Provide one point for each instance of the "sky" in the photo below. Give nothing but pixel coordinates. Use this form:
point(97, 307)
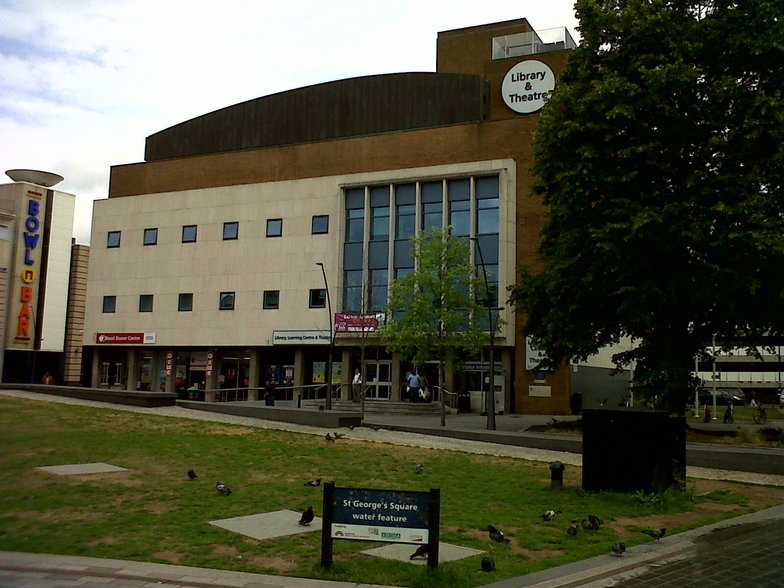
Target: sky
point(83, 82)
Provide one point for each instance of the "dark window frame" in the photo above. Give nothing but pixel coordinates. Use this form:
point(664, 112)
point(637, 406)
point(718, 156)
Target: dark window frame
point(183, 296)
point(228, 225)
point(319, 230)
point(151, 231)
point(145, 298)
point(271, 224)
point(226, 295)
point(109, 304)
point(267, 303)
point(313, 302)
point(109, 235)
point(195, 233)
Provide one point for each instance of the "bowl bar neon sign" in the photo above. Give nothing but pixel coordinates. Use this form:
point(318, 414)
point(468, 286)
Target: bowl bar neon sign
point(30, 237)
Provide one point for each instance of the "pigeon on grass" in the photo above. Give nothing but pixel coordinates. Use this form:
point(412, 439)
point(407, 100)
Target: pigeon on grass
point(223, 489)
point(497, 535)
point(192, 475)
point(588, 525)
point(420, 552)
point(316, 482)
point(307, 517)
point(488, 564)
point(572, 529)
point(595, 521)
point(329, 438)
point(618, 548)
point(549, 515)
point(420, 468)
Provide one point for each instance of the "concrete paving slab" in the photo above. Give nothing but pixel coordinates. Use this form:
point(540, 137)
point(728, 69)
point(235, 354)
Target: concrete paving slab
point(268, 525)
point(402, 552)
point(82, 468)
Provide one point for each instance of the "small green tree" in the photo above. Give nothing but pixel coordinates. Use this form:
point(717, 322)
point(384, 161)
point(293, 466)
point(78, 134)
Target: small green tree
point(433, 311)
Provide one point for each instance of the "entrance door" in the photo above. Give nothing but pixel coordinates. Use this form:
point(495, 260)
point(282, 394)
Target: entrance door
point(378, 380)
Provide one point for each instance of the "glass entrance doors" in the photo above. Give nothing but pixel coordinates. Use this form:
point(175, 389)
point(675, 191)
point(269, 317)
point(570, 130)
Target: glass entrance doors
point(378, 380)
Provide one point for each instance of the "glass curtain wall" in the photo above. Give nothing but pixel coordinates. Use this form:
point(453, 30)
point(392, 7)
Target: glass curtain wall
point(396, 213)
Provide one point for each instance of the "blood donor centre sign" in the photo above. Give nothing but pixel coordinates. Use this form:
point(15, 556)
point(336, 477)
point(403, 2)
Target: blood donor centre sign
point(124, 338)
point(527, 86)
point(381, 515)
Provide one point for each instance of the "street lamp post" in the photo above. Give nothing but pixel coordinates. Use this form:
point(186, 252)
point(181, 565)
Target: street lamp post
point(328, 405)
point(490, 307)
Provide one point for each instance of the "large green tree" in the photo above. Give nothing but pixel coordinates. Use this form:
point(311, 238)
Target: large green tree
point(660, 160)
point(433, 313)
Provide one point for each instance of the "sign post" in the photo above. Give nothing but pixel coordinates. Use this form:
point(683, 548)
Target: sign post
point(391, 516)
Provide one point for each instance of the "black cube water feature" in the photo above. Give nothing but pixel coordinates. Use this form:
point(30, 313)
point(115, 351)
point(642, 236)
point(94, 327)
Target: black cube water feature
point(556, 474)
point(632, 449)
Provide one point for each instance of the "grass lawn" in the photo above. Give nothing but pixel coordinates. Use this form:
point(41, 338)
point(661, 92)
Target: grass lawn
point(154, 513)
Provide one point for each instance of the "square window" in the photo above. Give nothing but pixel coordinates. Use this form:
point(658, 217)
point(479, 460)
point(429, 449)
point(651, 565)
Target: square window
point(185, 303)
point(113, 239)
point(189, 234)
point(320, 224)
point(109, 303)
point(150, 236)
point(145, 303)
point(226, 301)
point(318, 298)
point(274, 227)
point(271, 299)
point(231, 230)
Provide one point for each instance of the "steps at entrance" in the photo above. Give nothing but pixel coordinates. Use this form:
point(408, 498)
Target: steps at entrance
point(389, 407)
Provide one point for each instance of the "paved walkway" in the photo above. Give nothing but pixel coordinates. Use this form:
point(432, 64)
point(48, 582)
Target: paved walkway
point(742, 552)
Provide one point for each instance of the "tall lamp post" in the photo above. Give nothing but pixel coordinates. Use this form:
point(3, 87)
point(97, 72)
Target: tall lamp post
point(491, 317)
point(328, 405)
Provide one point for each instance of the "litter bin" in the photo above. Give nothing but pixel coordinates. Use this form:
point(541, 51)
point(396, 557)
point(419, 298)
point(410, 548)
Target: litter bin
point(464, 402)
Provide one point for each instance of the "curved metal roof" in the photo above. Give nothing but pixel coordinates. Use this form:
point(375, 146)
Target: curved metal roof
point(333, 110)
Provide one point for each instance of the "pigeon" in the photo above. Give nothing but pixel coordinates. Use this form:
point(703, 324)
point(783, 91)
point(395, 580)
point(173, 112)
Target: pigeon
point(329, 438)
point(337, 435)
point(497, 535)
point(421, 551)
point(588, 525)
point(595, 521)
point(572, 529)
point(549, 515)
point(488, 564)
point(222, 488)
point(307, 517)
point(316, 482)
point(420, 468)
point(192, 475)
point(619, 547)
point(656, 533)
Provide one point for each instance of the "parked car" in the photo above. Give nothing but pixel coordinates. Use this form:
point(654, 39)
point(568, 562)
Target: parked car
point(723, 397)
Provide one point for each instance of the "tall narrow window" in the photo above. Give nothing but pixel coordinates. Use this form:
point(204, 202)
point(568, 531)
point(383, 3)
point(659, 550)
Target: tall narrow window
point(432, 205)
point(353, 250)
point(150, 236)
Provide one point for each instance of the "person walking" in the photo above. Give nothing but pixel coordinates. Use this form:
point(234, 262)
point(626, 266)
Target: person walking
point(414, 384)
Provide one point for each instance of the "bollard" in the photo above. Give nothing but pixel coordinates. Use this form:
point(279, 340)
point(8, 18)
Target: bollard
point(556, 474)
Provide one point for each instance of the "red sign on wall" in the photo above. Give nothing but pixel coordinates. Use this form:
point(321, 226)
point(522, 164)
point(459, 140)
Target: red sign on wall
point(119, 338)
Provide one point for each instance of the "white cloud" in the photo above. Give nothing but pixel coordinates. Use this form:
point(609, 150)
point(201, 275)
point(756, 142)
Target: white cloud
point(83, 83)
